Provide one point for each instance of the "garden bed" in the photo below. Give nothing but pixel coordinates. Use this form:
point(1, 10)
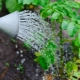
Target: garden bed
point(11, 55)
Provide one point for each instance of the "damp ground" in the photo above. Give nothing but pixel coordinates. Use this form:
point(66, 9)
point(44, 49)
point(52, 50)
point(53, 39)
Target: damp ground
point(16, 62)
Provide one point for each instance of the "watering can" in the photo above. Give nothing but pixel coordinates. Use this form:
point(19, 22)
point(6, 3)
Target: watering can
point(28, 27)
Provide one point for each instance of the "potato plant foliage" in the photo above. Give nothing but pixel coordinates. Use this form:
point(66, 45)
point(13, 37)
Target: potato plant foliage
point(66, 14)
point(13, 5)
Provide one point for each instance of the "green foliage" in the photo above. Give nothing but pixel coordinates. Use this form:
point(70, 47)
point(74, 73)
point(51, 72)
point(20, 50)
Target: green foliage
point(12, 5)
point(26, 46)
point(34, 2)
point(20, 67)
point(65, 24)
point(79, 36)
point(70, 67)
point(55, 15)
point(65, 13)
point(71, 29)
point(74, 78)
point(42, 62)
point(13, 40)
point(77, 74)
point(0, 5)
point(45, 57)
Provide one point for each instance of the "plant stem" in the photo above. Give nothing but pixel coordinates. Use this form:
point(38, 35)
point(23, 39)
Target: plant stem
point(61, 53)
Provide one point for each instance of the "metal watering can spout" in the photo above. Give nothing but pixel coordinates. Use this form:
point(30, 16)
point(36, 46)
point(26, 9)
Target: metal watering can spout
point(9, 23)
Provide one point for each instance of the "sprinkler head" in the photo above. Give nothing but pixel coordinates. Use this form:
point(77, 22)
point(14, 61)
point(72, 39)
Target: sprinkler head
point(10, 23)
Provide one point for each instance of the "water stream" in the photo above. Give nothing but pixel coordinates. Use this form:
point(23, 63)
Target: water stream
point(38, 35)
point(33, 30)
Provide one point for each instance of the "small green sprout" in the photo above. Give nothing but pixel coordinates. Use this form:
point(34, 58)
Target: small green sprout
point(7, 64)
point(13, 40)
point(20, 68)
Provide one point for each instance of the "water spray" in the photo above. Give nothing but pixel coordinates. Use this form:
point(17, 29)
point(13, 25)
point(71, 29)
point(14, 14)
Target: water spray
point(30, 28)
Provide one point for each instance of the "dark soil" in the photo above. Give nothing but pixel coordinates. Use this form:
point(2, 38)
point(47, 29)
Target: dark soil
point(11, 55)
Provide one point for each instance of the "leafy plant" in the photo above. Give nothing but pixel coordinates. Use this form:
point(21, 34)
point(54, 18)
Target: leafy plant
point(20, 67)
point(65, 13)
point(34, 2)
point(45, 57)
point(13, 5)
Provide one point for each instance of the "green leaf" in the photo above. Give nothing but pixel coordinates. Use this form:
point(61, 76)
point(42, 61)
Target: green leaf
point(45, 57)
point(49, 12)
point(51, 4)
point(7, 64)
point(26, 45)
point(74, 78)
point(13, 40)
point(44, 2)
point(65, 24)
point(35, 2)
point(42, 63)
point(64, 12)
point(72, 29)
point(36, 59)
point(37, 54)
point(0, 5)
point(79, 21)
point(75, 67)
point(69, 67)
point(73, 16)
point(78, 61)
point(44, 13)
point(20, 1)
point(55, 15)
point(59, 0)
point(48, 52)
point(76, 41)
point(74, 4)
point(67, 7)
point(27, 1)
point(12, 5)
point(77, 74)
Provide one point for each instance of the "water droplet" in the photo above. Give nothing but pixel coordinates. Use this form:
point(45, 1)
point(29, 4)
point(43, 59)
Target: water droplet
point(17, 52)
point(36, 75)
point(21, 55)
point(16, 46)
point(21, 51)
point(18, 69)
point(22, 61)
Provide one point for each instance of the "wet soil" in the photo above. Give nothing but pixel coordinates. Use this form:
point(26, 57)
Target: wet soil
point(16, 62)
point(10, 61)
